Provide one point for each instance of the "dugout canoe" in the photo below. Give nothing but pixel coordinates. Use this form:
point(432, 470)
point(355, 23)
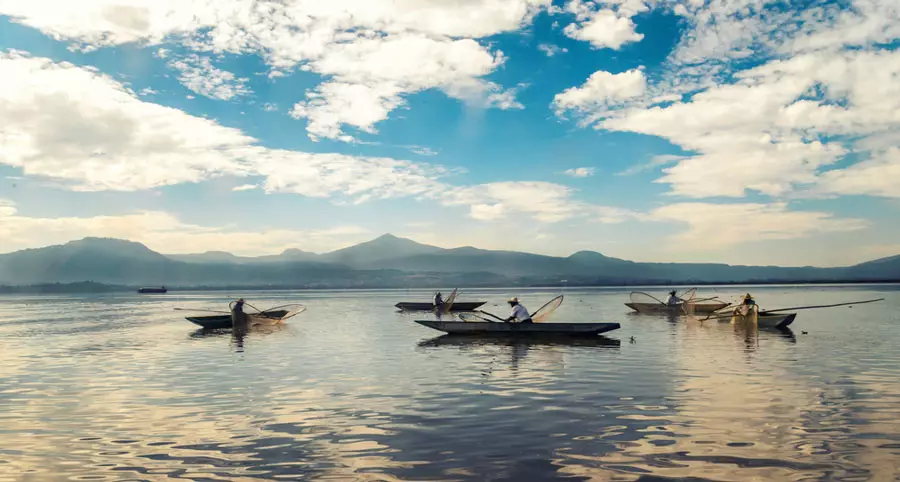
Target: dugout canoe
point(514, 329)
point(456, 306)
point(216, 322)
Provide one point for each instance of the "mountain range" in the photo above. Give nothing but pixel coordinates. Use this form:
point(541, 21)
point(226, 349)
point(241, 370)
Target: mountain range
point(387, 261)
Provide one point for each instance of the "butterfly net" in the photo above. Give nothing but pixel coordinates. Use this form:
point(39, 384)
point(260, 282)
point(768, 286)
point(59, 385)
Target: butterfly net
point(645, 298)
point(545, 311)
point(283, 312)
point(474, 317)
point(448, 303)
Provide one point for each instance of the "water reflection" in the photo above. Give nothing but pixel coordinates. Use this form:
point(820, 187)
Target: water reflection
point(124, 390)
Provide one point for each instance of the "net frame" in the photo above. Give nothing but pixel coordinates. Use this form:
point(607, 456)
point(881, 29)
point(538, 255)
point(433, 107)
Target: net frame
point(547, 309)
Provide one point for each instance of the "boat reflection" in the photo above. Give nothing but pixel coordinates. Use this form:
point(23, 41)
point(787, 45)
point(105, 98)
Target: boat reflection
point(238, 336)
point(470, 340)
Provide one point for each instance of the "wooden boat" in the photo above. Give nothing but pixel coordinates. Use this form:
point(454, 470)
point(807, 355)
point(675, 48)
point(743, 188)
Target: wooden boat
point(661, 308)
point(456, 306)
point(763, 319)
point(216, 322)
point(161, 289)
point(491, 339)
point(514, 329)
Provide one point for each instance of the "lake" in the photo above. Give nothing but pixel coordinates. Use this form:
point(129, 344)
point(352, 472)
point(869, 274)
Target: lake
point(121, 387)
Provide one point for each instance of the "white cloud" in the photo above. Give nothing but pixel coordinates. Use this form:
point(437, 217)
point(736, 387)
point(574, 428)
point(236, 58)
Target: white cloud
point(550, 50)
point(148, 91)
point(337, 175)
point(245, 187)
point(372, 53)
point(543, 201)
point(713, 226)
point(199, 75)
point(270, 107)
point(604, 29)
point(657, 161)
point(580, 172)
point(70, 123)
point(422, 150)
point(878, 176)
point(601, 91)
point(161, 231)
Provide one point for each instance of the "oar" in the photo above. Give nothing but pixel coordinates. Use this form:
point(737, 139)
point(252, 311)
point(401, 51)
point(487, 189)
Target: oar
point(196, 309)
point(492, 315)
point(824, 306)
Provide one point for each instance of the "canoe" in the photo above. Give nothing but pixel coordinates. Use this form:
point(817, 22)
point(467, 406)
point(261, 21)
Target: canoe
point(161, 289)
point(659, 308)
point(457, 306)
point(512, 329)
point(519, 341)
point(763, 319)
point(216, 322)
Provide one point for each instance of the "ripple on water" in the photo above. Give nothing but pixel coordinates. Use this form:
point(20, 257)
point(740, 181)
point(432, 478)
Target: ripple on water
point(118, 388)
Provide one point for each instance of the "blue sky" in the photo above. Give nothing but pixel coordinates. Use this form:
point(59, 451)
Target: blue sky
point(731, 131)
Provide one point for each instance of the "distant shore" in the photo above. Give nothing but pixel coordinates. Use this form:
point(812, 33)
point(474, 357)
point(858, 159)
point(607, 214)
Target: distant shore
point(86, 287)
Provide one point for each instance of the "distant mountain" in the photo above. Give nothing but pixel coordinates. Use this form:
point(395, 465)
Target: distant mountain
point(379, 249)
point(211, 257)
point(387, 261)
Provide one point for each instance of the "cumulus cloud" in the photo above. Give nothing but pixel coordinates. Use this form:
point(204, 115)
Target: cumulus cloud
point(199, 75)
point(601, 91)
point(161, 231)
point(245, 187)
point(604, 29)
point(580, 172)
point(712, 226)
point(73, 124)
point(372, 53)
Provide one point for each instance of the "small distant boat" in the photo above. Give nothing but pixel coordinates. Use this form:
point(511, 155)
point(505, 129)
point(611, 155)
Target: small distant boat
point(519, 329)
point(456, 306)
point(661, 308)
point(161, 289)
point(216, 322)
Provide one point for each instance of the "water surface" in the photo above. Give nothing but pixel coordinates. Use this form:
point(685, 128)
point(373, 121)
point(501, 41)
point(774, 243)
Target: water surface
point(121, 387)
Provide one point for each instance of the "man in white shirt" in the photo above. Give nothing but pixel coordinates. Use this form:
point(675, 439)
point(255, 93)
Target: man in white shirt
point(673, 300)
point(518, 312)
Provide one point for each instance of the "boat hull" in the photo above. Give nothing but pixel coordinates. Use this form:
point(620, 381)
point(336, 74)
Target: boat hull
point(152, 290)
point(218, 322)
point(519, 329)
point(656, 308)
point(763, 320)
point(456, 306)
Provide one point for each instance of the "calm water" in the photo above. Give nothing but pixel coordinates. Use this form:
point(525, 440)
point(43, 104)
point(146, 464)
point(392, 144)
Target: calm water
point(121, 387)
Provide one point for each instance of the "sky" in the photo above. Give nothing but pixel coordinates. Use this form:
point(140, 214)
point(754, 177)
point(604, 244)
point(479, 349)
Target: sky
point(736, 131)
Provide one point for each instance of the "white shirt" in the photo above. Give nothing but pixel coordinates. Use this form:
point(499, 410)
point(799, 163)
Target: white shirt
point(672, 300)
point(519, 312)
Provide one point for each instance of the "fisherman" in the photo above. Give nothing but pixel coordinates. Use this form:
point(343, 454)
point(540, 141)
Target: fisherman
point(746, 307)
point(438, 301)
point(673, 299)
point(239, 319)
point(517, 312)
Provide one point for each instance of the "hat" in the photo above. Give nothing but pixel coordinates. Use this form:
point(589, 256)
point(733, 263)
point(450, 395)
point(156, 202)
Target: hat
point(513, 300)
point(747, 296)
point(672, 292)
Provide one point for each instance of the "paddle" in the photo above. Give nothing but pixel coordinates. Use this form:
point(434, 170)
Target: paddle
point(196, 309)
point(824, 306)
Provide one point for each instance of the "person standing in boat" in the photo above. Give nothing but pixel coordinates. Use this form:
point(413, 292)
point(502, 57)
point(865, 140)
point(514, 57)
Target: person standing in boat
point(438, 302)
point(239, 319)
point(746, 307)
point(673, 299)
point(517, 312)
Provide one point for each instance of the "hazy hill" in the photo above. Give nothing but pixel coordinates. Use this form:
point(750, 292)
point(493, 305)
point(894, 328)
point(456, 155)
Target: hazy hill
point(387, 261)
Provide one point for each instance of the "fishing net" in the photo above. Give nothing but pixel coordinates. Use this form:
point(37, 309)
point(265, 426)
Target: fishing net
point(280, 313)
point(448, 303)
point(645, 298)
point(545, 311)
point(745, 314)
point(688, 294)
